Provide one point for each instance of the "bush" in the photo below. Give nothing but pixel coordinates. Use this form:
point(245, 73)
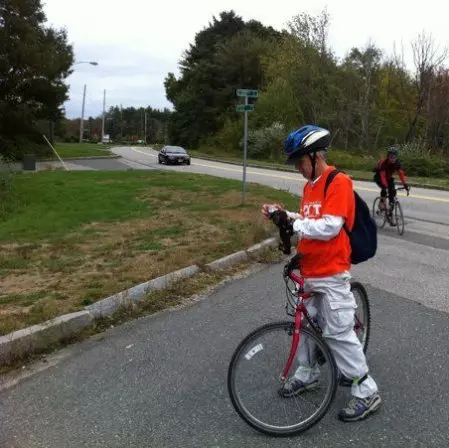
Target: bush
point(346, 160)
point(6, 186)
point(266, 143)
point(418, 160)
point(227, 139)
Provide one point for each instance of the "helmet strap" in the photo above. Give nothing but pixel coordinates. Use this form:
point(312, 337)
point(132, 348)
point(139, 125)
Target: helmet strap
point(313, 160)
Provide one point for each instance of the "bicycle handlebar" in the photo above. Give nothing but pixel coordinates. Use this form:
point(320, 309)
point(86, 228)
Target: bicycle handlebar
point(403, 188)
point(292, 264)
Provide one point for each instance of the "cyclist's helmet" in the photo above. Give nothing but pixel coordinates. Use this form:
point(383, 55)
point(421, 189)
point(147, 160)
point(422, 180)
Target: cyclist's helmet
point(392, 151)
point(305, 140)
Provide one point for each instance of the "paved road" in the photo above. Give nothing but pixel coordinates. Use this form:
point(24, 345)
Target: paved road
point(423, 204)
point(160, 381)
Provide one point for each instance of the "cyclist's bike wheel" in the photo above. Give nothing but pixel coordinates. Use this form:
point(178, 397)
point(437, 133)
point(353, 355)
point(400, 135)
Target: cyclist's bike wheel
point(362, 317)
point(380, 217)
point(255, 387)
point(399, 217)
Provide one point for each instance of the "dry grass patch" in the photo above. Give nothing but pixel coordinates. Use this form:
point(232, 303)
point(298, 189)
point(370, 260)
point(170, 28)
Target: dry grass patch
point(78, 237)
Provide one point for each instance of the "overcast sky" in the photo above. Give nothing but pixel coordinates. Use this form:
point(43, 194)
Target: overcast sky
point(137, 42)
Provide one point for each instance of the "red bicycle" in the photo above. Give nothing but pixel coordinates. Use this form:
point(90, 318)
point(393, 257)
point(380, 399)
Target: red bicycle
point(270, 355)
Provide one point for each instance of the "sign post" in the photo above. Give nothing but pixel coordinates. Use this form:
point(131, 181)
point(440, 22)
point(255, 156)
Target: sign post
point(247, 93)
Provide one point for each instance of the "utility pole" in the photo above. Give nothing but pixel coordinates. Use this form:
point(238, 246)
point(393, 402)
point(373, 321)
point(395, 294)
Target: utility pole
point(82, 116)
point(145, 136)
point(121, 123)
point(102, 121)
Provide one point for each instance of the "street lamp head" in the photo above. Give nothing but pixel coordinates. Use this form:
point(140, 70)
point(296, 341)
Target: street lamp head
point(86, 62)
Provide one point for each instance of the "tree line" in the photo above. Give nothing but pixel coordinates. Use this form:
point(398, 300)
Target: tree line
point(368, 99)
point(122, 124)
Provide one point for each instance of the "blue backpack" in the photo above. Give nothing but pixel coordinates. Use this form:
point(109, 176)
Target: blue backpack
point(363, 237)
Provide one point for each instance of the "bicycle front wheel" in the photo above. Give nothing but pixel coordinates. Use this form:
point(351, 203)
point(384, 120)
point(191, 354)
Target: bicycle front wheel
point(255, 386)
point(380, 217)
point(399, 217)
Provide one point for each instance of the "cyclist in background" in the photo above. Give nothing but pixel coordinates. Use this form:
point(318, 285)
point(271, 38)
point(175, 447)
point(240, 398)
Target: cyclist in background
point(384, 171)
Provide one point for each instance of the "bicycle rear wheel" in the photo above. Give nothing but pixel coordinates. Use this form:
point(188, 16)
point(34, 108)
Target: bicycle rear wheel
point(362, 315)
point(399, 217)
point(380, 217)
point(254, 380)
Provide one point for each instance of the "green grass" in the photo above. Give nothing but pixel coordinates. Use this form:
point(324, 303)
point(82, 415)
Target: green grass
point(76, 237)
point(67, 150)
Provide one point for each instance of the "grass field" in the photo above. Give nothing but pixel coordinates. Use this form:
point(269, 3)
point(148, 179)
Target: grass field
point(66, 150)
point(76, 237)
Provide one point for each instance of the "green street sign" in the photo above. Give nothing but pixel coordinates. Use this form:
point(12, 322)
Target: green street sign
point(248, 92)
point(244, 107)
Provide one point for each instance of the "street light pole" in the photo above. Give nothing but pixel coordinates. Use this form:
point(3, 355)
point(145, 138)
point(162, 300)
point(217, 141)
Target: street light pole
point(104, 107)
point(84, 100)
point(82, 116)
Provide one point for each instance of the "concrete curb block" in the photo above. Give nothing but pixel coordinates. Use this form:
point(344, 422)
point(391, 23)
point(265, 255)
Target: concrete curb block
point(108, 306)
point(255, 250)
point(19, 343)
point(229, 260)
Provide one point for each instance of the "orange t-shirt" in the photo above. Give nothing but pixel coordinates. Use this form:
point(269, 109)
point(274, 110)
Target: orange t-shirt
point(325, 258)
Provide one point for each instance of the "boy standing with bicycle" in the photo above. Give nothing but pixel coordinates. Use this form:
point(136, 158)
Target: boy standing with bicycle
point(324, 225)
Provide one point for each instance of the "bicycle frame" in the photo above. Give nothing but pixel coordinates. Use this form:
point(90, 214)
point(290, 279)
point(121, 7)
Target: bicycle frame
point(300, 312)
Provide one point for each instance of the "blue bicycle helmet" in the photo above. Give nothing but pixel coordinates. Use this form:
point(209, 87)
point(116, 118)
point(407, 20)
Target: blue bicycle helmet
point(305, 140)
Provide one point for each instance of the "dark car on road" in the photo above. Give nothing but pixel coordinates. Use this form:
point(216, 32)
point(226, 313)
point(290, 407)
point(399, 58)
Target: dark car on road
point(173, 155)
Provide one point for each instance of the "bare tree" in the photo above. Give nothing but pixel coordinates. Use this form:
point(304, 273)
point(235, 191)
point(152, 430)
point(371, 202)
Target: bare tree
point(427, 59)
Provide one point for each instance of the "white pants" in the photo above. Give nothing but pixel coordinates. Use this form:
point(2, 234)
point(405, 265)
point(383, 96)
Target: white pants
point(334, 307)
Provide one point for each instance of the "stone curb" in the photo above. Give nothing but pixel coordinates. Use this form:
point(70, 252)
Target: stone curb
point(255, 250)
point(229, 260)
point(19, 343)
point(111, 304)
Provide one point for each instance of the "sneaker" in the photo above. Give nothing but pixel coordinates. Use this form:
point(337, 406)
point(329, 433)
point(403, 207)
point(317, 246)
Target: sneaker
point(360, 408)
point(296, 387)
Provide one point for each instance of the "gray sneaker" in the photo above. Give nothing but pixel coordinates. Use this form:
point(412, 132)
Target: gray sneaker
point(296, 387)
point(360, 408)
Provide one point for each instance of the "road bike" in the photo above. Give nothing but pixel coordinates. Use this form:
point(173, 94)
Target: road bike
point(392, 214)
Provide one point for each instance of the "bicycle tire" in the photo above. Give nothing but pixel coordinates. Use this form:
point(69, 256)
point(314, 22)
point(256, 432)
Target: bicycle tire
point(255, 422)
point(363, 295)
point(400, 224)
point(376, 216)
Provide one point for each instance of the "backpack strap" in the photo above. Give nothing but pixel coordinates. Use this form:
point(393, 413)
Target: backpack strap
point(329, 179)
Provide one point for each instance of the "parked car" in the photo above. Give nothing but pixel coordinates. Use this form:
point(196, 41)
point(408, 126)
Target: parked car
point(173, 155)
